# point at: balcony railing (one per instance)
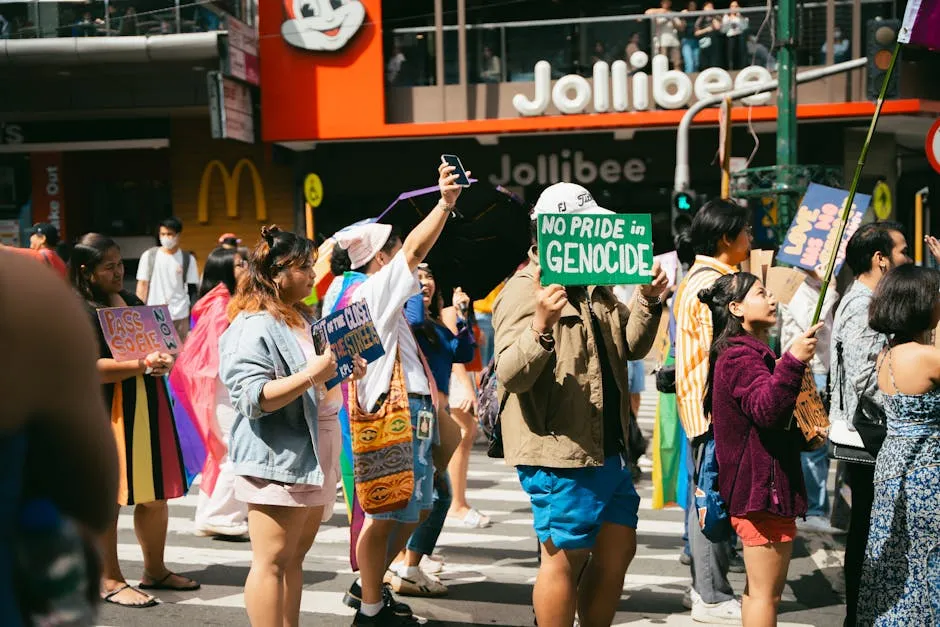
(31, 20)
(508, 51)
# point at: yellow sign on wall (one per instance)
(230, 183)
(881, 200)
(313, 190)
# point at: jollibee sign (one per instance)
(323, 78)
(672, 89)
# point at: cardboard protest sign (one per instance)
(810, 412)
(595, 249)
(350, 332)
(135, 332)
(812, 234)
(783, 283)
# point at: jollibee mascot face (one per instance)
(322, 25)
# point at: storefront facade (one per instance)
(329, 97)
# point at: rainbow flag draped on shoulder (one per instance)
(340, 294)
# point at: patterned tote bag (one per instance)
(383, 459)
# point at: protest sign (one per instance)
(813, 232)
(783, 283)
(595, 249)
(810, 412)
(135, 332)
(350, 332)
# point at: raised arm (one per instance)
(423, 237)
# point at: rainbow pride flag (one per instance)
(339, 295)
(670, 453)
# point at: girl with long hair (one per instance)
(285, 440)
(196, 385)
(463, 408)
(750, 397)
(148, 445)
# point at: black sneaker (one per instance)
(353, 599)
(385, 618)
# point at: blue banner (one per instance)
(813, 232)
(350, 332)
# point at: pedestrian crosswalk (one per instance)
(489, 571)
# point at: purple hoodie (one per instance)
(752, 406)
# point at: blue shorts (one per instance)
(423, 495)
(569, 504)
(636, 376)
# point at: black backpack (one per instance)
(489, 408)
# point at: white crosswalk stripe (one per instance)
(489, 571)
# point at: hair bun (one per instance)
(707, 295)
(268, 233)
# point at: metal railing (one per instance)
(32, 20)
(508, 51)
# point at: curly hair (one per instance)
(276, 251)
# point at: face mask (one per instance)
(169, 241)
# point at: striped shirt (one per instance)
(693, 341)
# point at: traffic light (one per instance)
(683, 209)
(882, 36)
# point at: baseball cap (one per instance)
(567, 198)
(363, 242)
(229, 238)
(50, 232)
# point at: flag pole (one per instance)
(847, 209)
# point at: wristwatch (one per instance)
(650, 304)
(546, 340)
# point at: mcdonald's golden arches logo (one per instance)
(230, 182)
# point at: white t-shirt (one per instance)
(167, 286)
(386, 293)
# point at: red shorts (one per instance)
(759, 528)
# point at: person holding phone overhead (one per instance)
(390, 266)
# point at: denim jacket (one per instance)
(277, 446)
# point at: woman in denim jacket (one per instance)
(286, 440)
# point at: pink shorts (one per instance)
(265, 492)
(760, 528)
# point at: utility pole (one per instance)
(786, 113)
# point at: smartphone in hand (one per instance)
(461, 173)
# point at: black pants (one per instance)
(861, 479)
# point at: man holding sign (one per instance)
(561, 355)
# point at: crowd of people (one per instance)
(397, 432)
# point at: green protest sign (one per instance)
(595, 249)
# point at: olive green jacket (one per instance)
(554, 401)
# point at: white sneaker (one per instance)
(473, 519)
(432, 564)
(817, 524)
(419, 585)
(687, 598)
(724, 613)
(229, 531)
